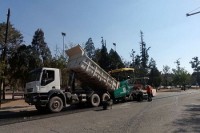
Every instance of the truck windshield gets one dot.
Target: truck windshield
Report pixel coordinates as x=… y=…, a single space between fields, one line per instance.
x=34 y=75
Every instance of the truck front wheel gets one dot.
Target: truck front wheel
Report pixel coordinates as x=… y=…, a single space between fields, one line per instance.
x=55 y=104
x=95 y=100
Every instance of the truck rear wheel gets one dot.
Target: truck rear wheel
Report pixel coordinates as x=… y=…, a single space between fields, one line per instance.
x=95 y=100
x=55 y=104
x=105 y=97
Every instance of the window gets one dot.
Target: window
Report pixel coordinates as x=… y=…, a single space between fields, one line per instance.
x=48 y=76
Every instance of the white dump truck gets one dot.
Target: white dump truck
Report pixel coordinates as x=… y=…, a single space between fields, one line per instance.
x=88 y=82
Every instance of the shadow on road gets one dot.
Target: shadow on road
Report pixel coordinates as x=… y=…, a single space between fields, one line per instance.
x=191 y=119
x=10 y=117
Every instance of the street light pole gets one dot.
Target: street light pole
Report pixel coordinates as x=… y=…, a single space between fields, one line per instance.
x=63 y=34
x=4 y=58
x=114 y=46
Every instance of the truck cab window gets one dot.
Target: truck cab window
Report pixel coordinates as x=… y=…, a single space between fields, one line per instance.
x=48 y=76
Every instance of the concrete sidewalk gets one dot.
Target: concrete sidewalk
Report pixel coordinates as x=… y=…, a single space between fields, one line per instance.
x=15 y=106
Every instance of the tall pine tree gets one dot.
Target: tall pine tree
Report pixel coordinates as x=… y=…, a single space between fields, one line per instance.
x=104 y=61
x=41 y=49
x=89 y=48
x=115 y=60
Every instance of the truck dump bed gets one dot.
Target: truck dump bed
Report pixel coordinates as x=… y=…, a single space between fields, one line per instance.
x=88 y=71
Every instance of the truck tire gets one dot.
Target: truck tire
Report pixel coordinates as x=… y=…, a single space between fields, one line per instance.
x=140 y=97
x=105 y=97
x=131 y=97
x=55 y=104
x=95 y=100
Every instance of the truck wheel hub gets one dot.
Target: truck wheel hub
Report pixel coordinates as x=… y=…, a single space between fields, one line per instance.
x=95 y=100
x=56 y=104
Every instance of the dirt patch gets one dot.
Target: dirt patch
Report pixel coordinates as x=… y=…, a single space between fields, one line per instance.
x=14 y=103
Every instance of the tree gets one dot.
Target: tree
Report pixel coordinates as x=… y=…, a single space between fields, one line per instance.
x=25 y=62
x=181 y=76
x=144 y=52
x=13 y=41
x=115 y=60
x=89 y=48
x=104 y=58
x=166 y=75
x=195 y=64
x=41 y=49
x=140 y=62
x=133 y=58
x=154 y=75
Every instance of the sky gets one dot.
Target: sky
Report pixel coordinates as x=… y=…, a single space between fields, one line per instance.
x=170 y=34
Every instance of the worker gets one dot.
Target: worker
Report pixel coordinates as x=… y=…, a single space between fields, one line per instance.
x=149 y=92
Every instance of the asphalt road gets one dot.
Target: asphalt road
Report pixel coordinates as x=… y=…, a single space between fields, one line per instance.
x=169 y=112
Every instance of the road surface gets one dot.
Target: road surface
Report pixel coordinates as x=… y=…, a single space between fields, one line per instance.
x=169 y=112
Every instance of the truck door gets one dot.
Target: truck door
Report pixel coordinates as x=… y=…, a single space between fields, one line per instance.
x=47 y=81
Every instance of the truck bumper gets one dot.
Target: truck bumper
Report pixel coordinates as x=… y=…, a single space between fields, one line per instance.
x=36 y=99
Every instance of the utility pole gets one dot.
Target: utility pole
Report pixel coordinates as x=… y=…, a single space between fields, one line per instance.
x=4 y=58
x=63 y=34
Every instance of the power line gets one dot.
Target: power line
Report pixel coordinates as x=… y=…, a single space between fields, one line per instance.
x=194 y=9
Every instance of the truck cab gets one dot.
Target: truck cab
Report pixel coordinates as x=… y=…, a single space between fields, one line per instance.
x=42 y=85
x=42 y=80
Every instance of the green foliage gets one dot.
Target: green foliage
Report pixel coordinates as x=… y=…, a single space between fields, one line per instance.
x=133 y=58
x=115 y=60
x=181 y=76
x=195 y=64
x=97 y=55
x=2 y=68
x=14 y=39
x=144 y=52
x=104 y=61
x=25 y=62
x=89 y=48
x=58 y=62
x=41 y=49
x=154 y=77
x=140 y=62
x=166 y=76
